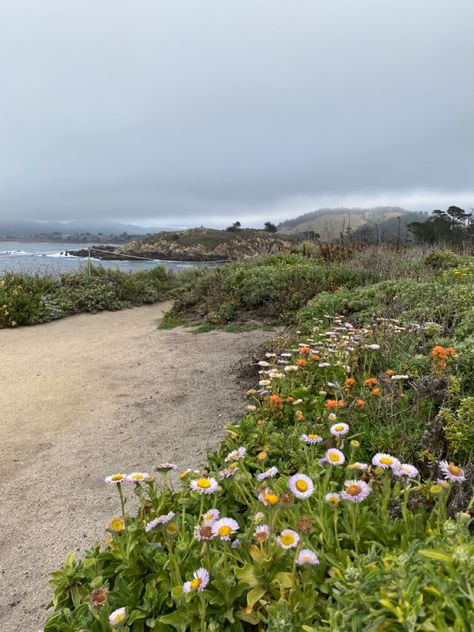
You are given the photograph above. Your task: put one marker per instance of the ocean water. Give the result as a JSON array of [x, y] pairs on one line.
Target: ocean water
[[50, 258]]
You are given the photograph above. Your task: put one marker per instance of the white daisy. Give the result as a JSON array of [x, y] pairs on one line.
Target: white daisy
[[452, 472], [355, 491], [225, 527], [311, 439], [301, 486], [204, 485], [137, 477], [334, 457], [340, 429], [270, 473], [198, 583], [405, 469], [236, 455], [385, 461], [262, 533], [117, 616], [288, 539], [114, 479], [211, 516], [307, 557]]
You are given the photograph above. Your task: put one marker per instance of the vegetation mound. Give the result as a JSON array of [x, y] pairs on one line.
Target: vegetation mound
[[322, 510]]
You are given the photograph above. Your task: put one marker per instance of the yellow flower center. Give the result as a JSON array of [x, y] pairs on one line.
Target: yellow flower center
[[117, 525], [386, 460], [208, 517], [334, 457], [301, 485], [119, 617], [204, 483], [339, 428], [353, 490], [271, 499], [137, 477], [454, 469], [333, 500], [195, 583], [313, 436], [118, 477], [225, 530], [171, 529], [261, 456], [436, 489], [287, 539]]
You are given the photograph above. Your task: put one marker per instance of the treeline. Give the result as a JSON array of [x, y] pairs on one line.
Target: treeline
[[454, 226]]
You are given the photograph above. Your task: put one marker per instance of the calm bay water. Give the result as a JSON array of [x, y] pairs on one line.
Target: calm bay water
[[50, 258]]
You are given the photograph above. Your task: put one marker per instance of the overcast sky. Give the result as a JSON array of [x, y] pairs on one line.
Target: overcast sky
[[208, 111]]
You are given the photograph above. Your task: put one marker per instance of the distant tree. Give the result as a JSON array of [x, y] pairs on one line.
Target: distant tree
[[453, 226], [270, 228], [235, 227]]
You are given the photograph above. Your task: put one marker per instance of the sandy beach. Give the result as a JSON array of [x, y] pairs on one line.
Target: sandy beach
[[81, 398]]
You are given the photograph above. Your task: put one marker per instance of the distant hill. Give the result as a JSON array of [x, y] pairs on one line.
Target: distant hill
[[329, 223], [28, 228]]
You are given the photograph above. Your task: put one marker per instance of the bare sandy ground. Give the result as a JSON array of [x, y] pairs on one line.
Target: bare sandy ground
[[82, 398]]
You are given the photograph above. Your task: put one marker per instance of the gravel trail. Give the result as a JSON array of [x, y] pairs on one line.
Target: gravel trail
[[81, 398]]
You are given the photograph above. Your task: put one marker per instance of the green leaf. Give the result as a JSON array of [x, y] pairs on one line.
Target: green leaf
[[176, 619], [254, 595], [435, 555], [246, 575]]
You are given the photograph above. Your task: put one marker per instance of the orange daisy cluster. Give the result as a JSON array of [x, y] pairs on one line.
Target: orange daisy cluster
[[371, 381], [334, 404], [439, 355]]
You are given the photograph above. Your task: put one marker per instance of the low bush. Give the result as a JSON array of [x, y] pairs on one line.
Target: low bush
[[32, 299], [308, 517]]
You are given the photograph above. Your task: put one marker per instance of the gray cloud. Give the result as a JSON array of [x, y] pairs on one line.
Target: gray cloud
[[176, 111]]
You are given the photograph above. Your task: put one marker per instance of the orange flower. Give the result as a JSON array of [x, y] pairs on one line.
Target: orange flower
[[331, 404], [375, 391], [341, 403], [301, 362], [305, 350], [370, 381], [314, 357], [349, 381], [290, 399], [389, 372], [276, 400], [360, 403]]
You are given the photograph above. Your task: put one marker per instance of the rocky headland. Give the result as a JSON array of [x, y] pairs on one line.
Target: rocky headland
[[197, 244]]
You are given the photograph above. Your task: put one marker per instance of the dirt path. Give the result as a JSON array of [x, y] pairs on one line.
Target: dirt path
[[81, 398]]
